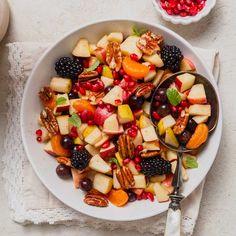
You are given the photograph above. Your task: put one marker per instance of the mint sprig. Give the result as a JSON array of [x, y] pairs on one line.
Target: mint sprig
[[139, 31], [75, 120], [93, 66], [191, 162], [173, 96], [114, 160], [60, 101]]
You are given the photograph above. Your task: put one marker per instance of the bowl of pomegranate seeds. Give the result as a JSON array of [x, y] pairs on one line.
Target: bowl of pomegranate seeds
[[183, 11]]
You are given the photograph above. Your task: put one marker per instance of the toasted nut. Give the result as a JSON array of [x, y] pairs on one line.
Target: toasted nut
[[150, 154], [46, 94], [64, 160], [88, 75], [125, 146], [149, 43], [113, 55], [143, 89], [125, 177], [94, 198], [181, 124]]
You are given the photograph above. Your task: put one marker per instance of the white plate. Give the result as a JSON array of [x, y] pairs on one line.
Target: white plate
[[44, 165]]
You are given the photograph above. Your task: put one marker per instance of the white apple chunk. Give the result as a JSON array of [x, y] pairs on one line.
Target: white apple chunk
[[146, 107], [129, 46], [115, 36], [71, 108], [151, 146], [98, 164], [48, 149], [100, 54], [114, 132], [149, 134], [140, 181], [132, 168], [200, 119], [114, 95], [91, 149], [65, 105], [162, 194], [171, 155], [150, 76], [171, 139], [81, 49], [187, 65], [63, 123], [102, 183], [154, 59], [158, 77], [138, 139], [92, 48], [111, 123], [103, 42], [105, 137], [200, 110], [116, 184], [45, 135], [61, 85], [184, 81], [94, 136], [197, 94], [158, 178], [165, 123], [107, 81]]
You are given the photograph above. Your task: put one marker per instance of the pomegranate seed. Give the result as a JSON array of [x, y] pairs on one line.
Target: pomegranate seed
[[132, 133], [138, 167], [183, 14], [116, 82], [137, 160], [39, 132], [82, 91], [88, 85], [84, 116], [39, 139], [144, 196], [86, 63], [139, 197], [150, 196], [134, 57], [73, 132], [106, 144], [91, 122], [101, 104], [80, 147], [131, 84], [115, 74], [77, 86], [152, 67], [139, 148], [183, 104], [180, 109], [127, 125], [157, 104], [135, 127], [169, 11], [113, 166], [173, 109], [110, 108], [121, 72], [126, 161], [118, 102], [95, 87], [127, 78], [156, 116], [99, 69]]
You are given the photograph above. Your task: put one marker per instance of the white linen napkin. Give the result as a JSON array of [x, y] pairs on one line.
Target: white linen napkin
[[29, 200]]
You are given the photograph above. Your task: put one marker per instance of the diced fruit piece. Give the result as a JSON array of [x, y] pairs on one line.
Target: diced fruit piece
[[57, 147], [116, 184], [158, 77], [149, 134], [170, 138], [139, 181], [60, 85], [81, 49], [134, 69], [102, 43], [82, 105], [161, 193], [132, 168], [157, 178], [94, 136], [100, 115], [169, 189], [111, 123], [63, 122], [138, 139], [88, 130], [197, 94], [119, 158], [115, 36], [171, 155], [102, 183], [72, 109], [92, 150], [187, 65], [92, 48], [100, 54], [118, 197], [200, 119], [106, 71], [150, 76], [129, 46], [200, 110], [98, 164], [199, 137], [146, 107], [189, 161], [154, 59], [105, 138], [48, 149], [151, 146], [114, 132], [184, 174], [45, 135], [77, 176], [113, 96], [62, 102], [144, 122], [165, 123], [150, 188], [184, 81], [82, 128], [108, 152], [167, 182], [173, 166], [182, 95], [107, 81], [138, 191], [92, 60], [125, 114]]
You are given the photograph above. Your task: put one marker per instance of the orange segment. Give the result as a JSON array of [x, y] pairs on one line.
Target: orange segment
[[199, 137], [118, 197], [57, 148], [134, 69], [82, 105]]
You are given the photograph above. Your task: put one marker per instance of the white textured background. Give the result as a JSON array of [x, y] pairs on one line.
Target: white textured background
[[45, 21]]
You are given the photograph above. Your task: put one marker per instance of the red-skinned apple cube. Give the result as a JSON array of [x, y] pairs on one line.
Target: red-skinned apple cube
[[184, 81], [197, 94], [187, 65], [108, 152], [63, 106], [100, 54], [100, 115]]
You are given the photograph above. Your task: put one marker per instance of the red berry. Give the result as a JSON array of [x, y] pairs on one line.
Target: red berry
[[150, 196], [39, 139], [144, 196], [73, 132], [113, 166], [82, 91], [121, 72], [173, 108], [88, 85], [38, 132], [127, 78], [137, 160], [110, 108], [152, 67], [86, 63], [135, 127], [118, 102], [156, 116], [116, 82], [134, 57], [131, 84], [139, 148], [126, 161], [101, 104], [115, 74], [180, 109], [106, 144], [80, 147], [138, 167], [91, 122], [99, 69], [139, 197], [183, 104], [95, 87]]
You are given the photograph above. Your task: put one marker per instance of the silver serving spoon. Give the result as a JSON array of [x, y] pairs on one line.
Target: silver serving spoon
[[173, 222]]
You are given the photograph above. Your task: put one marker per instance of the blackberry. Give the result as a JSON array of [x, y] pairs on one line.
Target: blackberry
[[155, 166], [80, 159], [171, 56], [68, 67]]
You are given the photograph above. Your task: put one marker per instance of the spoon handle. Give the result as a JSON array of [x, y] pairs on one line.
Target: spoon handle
[[173, 222]]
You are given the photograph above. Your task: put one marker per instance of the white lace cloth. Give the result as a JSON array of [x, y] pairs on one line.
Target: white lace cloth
[[29, 200]]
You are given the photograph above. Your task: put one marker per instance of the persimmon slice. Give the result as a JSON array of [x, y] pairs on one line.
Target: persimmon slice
[[57, 148], [118, 197], [82, 105]]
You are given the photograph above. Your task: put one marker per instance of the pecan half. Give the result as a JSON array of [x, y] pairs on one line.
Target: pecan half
[[114, 56], [125, 177], [95, 198], [64, 160], [150, 154], [49, 121], [181, 123], [88, 75], [149, 43], [125, 146], [46, 94], [143, 89]]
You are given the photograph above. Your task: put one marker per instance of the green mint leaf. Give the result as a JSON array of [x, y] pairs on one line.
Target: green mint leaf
[[60, 101], [191, 162], [114, 160], [75, 120], [173, 96], [93, 66], [139, 31]]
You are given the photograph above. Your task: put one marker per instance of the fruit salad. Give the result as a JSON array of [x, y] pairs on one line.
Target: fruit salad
[[95, 118]]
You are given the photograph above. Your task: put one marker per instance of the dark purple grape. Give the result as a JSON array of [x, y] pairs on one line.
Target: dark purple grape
[[73, 95], [163, 110], [108, 89], [63, 171], [192, 125], [161, 95], [184, 137], [67, 142], [86, 184], [135, 102], [132, 196]]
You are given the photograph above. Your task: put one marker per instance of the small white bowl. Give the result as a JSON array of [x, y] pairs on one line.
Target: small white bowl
[[184, 20]]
